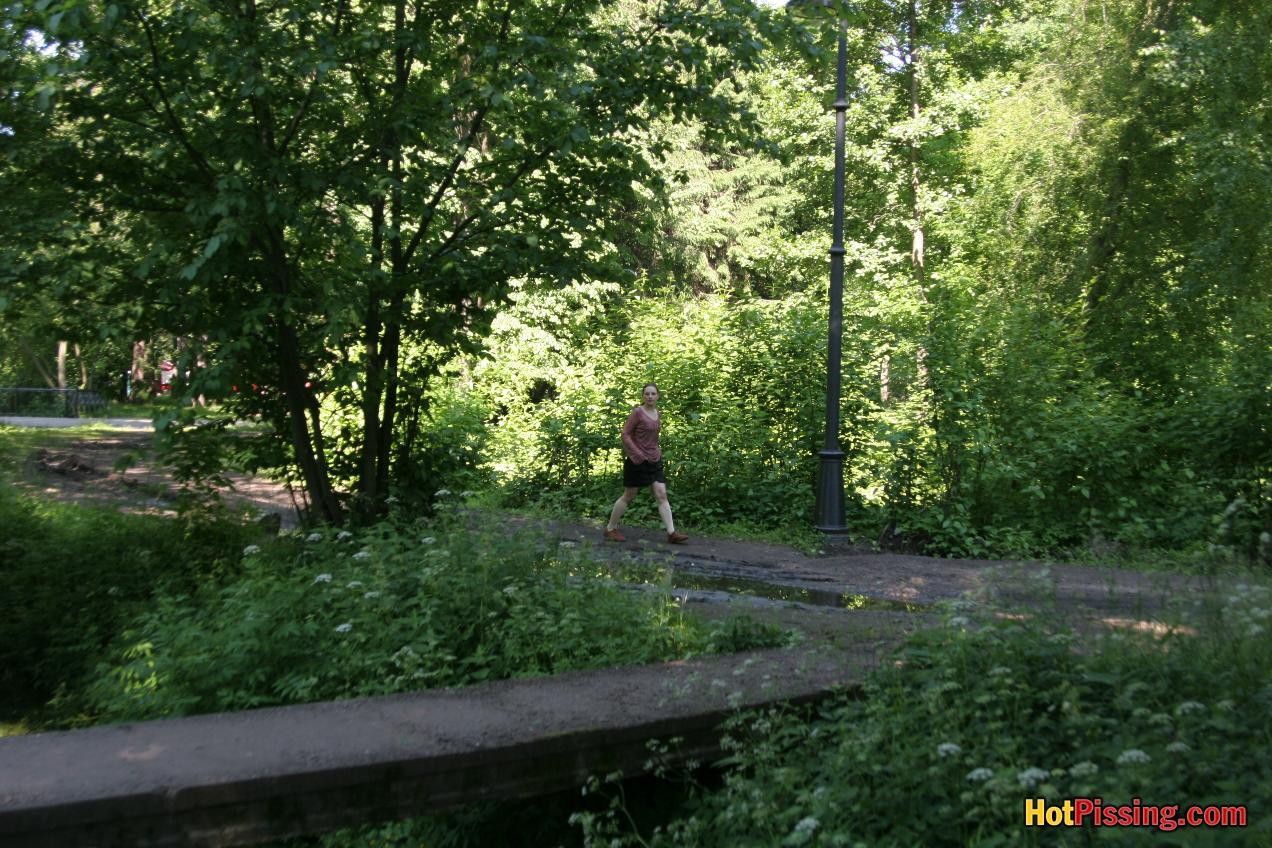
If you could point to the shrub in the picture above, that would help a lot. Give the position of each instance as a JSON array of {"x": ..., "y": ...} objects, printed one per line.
[
  {"x": 74, "y": 575},
  {"x": 980, "y": 715},
  {"x": 399, "y": 608}
]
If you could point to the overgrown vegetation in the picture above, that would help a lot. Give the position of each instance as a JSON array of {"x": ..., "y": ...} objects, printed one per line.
[
  {"x": 943, "y": 749},
  {"x": 441, "y": 246},
  {"x": 74, "y": 577},
  {"x": 978, "y": 716},
  {"x": 1056, "y": 248},
  {"x": 398, "y": 608},
  {"x": 1046, "y": 351},
  {"x": 112, "y": 616}
]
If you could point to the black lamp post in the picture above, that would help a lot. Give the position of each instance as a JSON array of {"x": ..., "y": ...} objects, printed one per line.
[{"x": 830, "y": 478}]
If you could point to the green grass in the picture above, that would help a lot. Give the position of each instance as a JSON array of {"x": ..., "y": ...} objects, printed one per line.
[
  {"x": 74, "y": 577},
  {"x": 17, "y": 443}
]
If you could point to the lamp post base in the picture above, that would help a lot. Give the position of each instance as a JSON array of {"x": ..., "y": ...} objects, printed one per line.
[{"x": 830, "y": 493}]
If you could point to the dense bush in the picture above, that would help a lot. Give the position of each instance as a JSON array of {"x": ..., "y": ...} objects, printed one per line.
[
  {"x": 976, "y": 717},
  {"x": 74, "y": 575},
  {"x": 1009, "y": 447},
  {"x": 398, "y": 608}
]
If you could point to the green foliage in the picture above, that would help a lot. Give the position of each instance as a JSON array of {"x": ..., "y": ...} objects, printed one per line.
[
  {"x": 333, "y": 199},
  {"x": 998, "y": 404},
  {"x": 1056, "y": 249},
  {"x": 979, "y": 715},
  {"x": 74, "y": 576},
  {"x": 728, "y": 402},
  {"x": 396, "y": 609}
]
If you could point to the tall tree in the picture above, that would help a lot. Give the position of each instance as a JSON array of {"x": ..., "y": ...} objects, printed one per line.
[{"x": 324, "y": 182}]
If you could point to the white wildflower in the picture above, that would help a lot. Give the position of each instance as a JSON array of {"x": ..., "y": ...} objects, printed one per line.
[
  {"x": 442, "y": 493},
  {"x": 807, "y": 825},
  {"x": 391, "y": 499},
  {"x": 1031, "y": 777},
  {"x": 1225, "y": 706},
  {"x": 1086, "y": 768},
  {"x": 960, "y": 621},
  {"x": 1255, "y": 630},
  {"x": 467, "y": 493},
  {"x": 323, "y": 578},
  {"x": 342, "y": 535},
  {"x": 979, "y": 775},
  {"x": 567, "y": 545},
  {"x": 948, "y": 749},
  {"x": 1178, "y": 748},
  {"x": 314, "y": 537},
  {"x": 1131, "y": 757},
  {"x": 362, "y": 554},
  {"x": 427, "y": 540},
  {"x": 999, "y": 671},
  {"x": 251, "y": 549},
  {"x": 344, "y": 628},
  {"x": 370, "y": 595},
  {"x": 1190, "y": 707},
  {"x": 354, "y": 584}
]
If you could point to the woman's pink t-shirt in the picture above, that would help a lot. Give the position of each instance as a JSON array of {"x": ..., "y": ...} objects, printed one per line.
[{"x": 640, "y": 437}]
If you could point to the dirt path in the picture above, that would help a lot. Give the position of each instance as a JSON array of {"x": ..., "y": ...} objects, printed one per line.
[
  {"x": 118, "y": 468},
  {"x": 859, "y": 596},
  {"x": 849, "y": 594}
]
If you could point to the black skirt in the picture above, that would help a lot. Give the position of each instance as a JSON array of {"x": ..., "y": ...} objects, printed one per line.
[{"x": 640, "y": 475}]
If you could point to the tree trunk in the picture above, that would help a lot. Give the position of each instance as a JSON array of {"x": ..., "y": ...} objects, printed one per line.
[
  {"x": 885, "y": 379},
  {"x": 372, "y": 391},
  {"x": 83, "y": 367},
  {"x": 61, "y": 364},
  {"x": 302, "y": 409},
  {"x": 138, "y": 369},
  {"x": 383, "y": 338},
  {"x": 917, "y": 238},
  {"x": 916, "y": 206}
]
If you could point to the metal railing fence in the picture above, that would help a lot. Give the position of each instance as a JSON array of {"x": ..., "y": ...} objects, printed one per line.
[{"x": 52, "y": 403}]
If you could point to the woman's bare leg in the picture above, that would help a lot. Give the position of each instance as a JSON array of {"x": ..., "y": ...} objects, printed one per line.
[
  {"x": 620, "y": 507},
  {"x": 664, "y": 506}
]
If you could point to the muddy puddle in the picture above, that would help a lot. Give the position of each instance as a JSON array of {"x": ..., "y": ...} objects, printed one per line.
[{"x": 719, "y": 580}]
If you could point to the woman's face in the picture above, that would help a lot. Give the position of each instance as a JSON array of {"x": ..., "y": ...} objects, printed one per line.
[{"x": 651, "y": 395}]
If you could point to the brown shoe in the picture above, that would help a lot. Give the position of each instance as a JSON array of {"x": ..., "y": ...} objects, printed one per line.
[
  {"x": 676, "y": 538},
  {"x": 614, "y": 536}
]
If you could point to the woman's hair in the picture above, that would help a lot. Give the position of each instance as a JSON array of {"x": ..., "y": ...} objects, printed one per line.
[{"x": 647, "y": 385}]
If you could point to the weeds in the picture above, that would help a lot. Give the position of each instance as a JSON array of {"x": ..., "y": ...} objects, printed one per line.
[{"x": 977, "y": 716}]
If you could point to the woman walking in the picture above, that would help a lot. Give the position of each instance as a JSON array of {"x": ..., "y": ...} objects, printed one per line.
[{"x": 643, "y": 467}]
